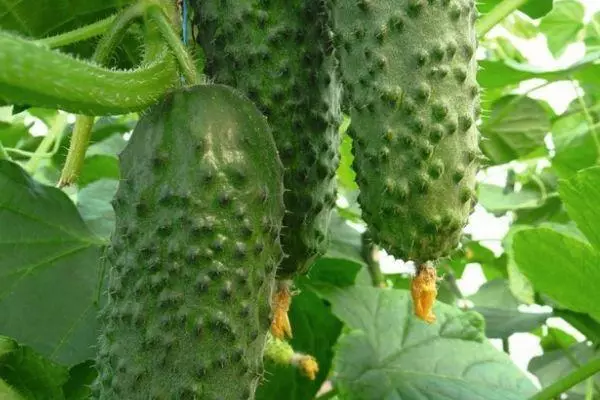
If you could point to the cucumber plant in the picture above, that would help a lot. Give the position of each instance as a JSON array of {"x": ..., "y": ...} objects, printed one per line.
[{"x": 230, "y": 197}]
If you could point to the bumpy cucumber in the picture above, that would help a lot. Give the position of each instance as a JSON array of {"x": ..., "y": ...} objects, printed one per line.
[
  {"x": 279, "y": 54},
  {"x": 194, "y": 253},
  {"x": 408, "y": 70}
]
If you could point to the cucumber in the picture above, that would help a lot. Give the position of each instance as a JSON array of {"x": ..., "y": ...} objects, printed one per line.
[
  {"x": 280, "y": 54},
  {"x": 194, "y": 252},
  {"x": 409, "y": 76}
]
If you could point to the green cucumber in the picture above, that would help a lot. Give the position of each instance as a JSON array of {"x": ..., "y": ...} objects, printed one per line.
[
  {"x": 280, "y": 54},
  {"x": 194, "y": 252},
  {"x": 409, "y": 70}
]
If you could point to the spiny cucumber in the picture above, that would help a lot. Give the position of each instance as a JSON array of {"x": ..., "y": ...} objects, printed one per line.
[
  {"x": 408, "y": 70},
  {"x": 194, "y": 253},
  {"x": 279, "y": 53}
]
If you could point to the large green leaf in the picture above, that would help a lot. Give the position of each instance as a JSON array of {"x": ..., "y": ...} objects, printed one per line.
[
  {"x": 515, "y": 128},
  {"x": 553, "y": 365},
  {"x": 494, "y": 198},
  {"x": 49, "y": 269},
  {"x": 560, "y": 265},
  {"x": 495, "y": 301},
  {"x": 387, "y": 353},
  {"x": 93, "y": 203},
  {"x": 81, "y": 377},
  {"x": 562, "y": 25},
  {"x": 30, "y": 374},
  {"x": 533, "y": 8},
  {"x": 581, "y": 195}
]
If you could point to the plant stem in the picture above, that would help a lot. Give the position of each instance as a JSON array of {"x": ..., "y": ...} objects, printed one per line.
[
  {"x": 567, "y": 382},
  {"x": 78, "y": 35},
  {"x": 505, "y": 345},
  {"x": 183, "y": 57},
  {"x": 368, "y": 251},
  {"x": 82, "y": 131},
  {"x": 3, "y": 154},
  {"x": 54, "y": 133},
  {"x": 589, "y": 120},
  {"x": 36, "y": 75},
  {"x": 501, "y": 11}
]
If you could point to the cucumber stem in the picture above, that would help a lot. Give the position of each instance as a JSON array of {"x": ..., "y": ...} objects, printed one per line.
[
  {"x": 183, "y": 57},
  {"x": 501, "y": 11},
  {"x": 78, "y": 35},
  {"x": 82, "y": 130},
  {"x": 36, "y": 75},
  {"x": 567, "y": 382}
]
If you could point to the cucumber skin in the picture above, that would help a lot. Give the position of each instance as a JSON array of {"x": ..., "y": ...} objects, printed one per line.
[
  {"x": 194, "y": 253},
  {"x": 280, "y": 54},
  {"x": 409, "y": 76}
]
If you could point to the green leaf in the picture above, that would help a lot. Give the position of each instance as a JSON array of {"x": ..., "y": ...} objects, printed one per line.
[
  {"x": 345, "y": 240},
  {"x": 49, "y": 278},
  {"x": 494, "y": 199},
  {"x": 98, "y": 167},
  {"x": 561, "y": 266},
  {"x": 592, "y": 34},
  {"x": 498, "y": 74},
  {"x": 556, "y": 339},
  {"x": 386, "y": 353},
  {"x": 81, "y": 377},
  {"x": 516, "y": 127},
  {"x": 533, "y": 8},
  {"x": 562, "y": 25},
  {"x": 8, "y": 393},
  {"x": 495, "y": 301},
  {"x": 518, "y": 283},
  {"x": 581, "y": 194},
  {"x": 553, "y": 365},
  {"x": 345, "y": 173},
  {"x": 93, "y": 203},
  {"x": 32, "y": 375},
  {"x": 520, "y": 26}
]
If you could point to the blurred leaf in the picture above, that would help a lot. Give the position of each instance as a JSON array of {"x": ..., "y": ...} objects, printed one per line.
[
  {"x": 592, "y": 34},
  {"x": 516, "y": 127},
  {"x": 345, "y": 173},
  {"x": 81, "y": 377},
  {"x": 518, "y": 283},
  {"x": 533, "y": 8},
  {"x": 551, "y": 210},
  {"x": 561, "y": 266},
  {"x": 48, "y": 284},
  {"x": 93, "y": 203},
  {"x": 27, "y": 372},
  {"x": 556, "y": 339},
  {"x": 582, "y": 322},
  {"x": 98, "y": 167},
  {"x": 494, "y": 199},
  {"x": 388, "y": 353},
  {"x": 9, "y": 393},
  {"x": 498, "y": 74},
  {"x": 11, "y": 133},
  {"x": 581, "y": 195},
  {"x": 345, "y": 240},
  {"x": 499, "y": 307},
  {"x": 553, "y": 365},
  {"x": 520, "y": 26},
  {"x": 562, "y": 25},
  {"x": 111, "y": 146},
  {"x": 502, "y": 48}
]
